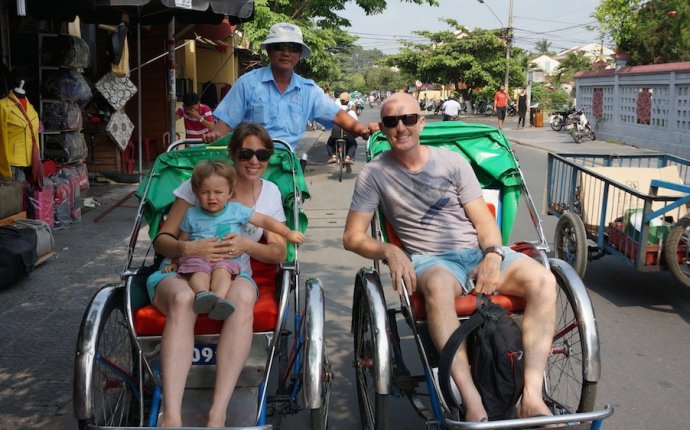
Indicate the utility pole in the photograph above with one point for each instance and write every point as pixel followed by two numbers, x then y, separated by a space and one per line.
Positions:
pixel 509 42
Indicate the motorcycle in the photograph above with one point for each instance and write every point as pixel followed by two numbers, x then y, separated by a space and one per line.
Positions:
pixel 512 108
pixel 485 108
pixel 560 119
pixel 580 127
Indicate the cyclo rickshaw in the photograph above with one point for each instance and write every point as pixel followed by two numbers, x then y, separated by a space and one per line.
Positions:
pixel 573 369
pixel 117 379
pixel 633 206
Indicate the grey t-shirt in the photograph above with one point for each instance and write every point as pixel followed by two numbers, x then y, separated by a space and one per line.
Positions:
pixel 424 207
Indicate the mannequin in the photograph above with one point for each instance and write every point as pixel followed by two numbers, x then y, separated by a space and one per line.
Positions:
pixel 18 134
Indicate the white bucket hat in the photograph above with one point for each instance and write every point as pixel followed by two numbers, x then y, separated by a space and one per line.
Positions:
pixel 285 32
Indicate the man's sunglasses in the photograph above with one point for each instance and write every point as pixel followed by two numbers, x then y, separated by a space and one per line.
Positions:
pixel 392 121
pixel 290 46
pixel 246 154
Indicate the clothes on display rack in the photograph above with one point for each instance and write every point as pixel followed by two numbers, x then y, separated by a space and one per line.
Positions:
pixel 18 132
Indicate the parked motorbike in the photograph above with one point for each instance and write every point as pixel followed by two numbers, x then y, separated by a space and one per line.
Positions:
pixel 580 127
pixel 512 108
pixel 560 119
pixel 484 108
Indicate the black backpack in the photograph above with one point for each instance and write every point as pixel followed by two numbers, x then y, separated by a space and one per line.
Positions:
pixel 17 254
pixel 494 350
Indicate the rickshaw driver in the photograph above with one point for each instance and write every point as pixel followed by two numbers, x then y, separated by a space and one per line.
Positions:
pixel 412 183
pixel 280 99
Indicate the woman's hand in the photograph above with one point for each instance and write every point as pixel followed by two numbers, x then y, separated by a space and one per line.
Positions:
pixel 235 245
pixel 212 249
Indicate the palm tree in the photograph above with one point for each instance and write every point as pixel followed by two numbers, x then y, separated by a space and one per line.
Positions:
pixel 542 47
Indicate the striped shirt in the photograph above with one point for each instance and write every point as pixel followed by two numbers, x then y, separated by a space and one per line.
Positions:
pixel 194 128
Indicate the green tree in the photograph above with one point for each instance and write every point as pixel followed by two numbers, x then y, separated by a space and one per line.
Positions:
pixel 321 24
pixel 385 79
pixel 667 34
pixel 572 63
pixel 542 47
pixel 458 55
pixel 618 18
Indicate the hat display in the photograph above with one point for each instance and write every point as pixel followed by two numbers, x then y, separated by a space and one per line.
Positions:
pixel 285 32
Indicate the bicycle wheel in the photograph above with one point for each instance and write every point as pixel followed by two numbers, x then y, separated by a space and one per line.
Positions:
pixel 373 407
pixel 565 389
pixel 113 402
pixel 570 242
pixel 677 246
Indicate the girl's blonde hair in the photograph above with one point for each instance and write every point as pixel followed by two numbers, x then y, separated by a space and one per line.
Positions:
pixel 205 168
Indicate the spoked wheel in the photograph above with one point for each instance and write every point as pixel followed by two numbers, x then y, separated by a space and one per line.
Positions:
pixel 319 417
pixel 577 136
pixel 677 251
pixel 557 123
pixel 565 389
pixel 570 242
pixel 113 381
pixel 373 407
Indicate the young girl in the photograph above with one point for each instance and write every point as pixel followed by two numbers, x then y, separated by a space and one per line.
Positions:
pixel 215 216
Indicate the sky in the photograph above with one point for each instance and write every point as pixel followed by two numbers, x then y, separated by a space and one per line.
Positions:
pixel 561 22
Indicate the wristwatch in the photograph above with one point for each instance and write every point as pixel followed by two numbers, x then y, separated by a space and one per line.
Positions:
pixel 496 250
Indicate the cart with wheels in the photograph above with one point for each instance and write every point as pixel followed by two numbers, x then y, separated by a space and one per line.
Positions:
pixel 631 206
pixel 117 380
pixel 380 330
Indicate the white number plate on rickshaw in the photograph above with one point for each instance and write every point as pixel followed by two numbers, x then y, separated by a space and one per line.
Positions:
pixel 204 354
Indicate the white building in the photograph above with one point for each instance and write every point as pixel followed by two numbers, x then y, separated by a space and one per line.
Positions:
pixel 547 64
pixel 594 51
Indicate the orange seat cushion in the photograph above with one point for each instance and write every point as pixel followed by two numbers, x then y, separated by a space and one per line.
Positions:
pixel 467 304
pixel 149 321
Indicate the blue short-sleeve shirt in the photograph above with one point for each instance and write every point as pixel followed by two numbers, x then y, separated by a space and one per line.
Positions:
pixel 255 98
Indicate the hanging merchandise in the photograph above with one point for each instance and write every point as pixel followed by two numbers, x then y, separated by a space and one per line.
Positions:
pixel 65 147
pixel 116 90
pixel 61 115
pixel 66 51
pixel 120 129
pixel 68 84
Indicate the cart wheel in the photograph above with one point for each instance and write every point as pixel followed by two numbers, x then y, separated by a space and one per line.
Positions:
pixel 570 242
pixel 373 407
pixel 677 251
pixel 565 388
pixel 113 380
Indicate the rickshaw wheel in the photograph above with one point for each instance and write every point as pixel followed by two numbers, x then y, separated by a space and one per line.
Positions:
pixel 113 403
pixel 677 244
pixel 373 407
pixel 570 242
pixel 565 389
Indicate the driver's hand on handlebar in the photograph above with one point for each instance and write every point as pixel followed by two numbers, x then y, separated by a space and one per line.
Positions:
pixel 371 128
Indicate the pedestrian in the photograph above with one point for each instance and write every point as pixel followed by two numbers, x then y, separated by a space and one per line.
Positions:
pixel 521 106
pixel 278 98
pixel 501 105
pixel 433 201
pixel 198 118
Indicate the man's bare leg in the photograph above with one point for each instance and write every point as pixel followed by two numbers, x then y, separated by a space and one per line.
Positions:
pixel 440 288
pixel 532 281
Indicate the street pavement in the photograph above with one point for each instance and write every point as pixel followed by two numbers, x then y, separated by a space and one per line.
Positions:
pixel 40 316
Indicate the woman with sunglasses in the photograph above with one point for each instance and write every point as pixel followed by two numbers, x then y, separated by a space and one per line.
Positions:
pixel 280 99
pixel 250 148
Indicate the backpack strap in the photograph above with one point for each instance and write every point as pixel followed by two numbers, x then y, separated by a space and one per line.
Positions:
pixel 451 348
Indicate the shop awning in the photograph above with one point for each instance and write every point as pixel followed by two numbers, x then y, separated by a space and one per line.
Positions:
pixel 144 12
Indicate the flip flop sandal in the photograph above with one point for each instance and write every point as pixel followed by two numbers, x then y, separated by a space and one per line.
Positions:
pixel 204 301
pixel 222 310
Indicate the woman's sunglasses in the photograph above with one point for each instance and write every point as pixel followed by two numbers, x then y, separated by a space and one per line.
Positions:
pixel 246 154
pixel 290 46
pixel 392 121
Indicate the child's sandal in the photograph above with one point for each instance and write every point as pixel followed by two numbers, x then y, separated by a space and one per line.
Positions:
pixel 204 301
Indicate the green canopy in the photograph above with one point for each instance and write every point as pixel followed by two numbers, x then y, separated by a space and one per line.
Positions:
pixel 172 168
pixel 488 152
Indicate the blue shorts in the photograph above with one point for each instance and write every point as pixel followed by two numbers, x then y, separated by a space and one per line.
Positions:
pixel 156 277
pixel 459 262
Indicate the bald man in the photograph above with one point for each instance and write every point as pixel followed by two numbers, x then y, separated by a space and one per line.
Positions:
pixel 421 188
